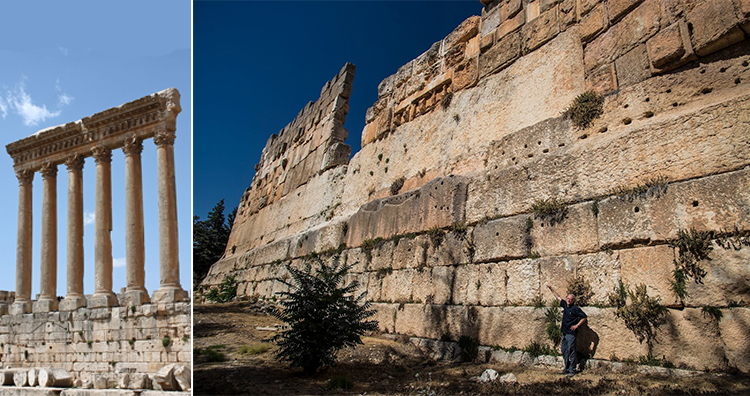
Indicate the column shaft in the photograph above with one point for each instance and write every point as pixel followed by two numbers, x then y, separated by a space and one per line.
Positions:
pixel 135 292
pixel 169 261
pixel 74 298
pixel 22 303
pixel 48 275
pixel 103 294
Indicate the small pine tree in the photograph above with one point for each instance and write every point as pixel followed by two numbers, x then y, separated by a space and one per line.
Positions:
pixel 323 316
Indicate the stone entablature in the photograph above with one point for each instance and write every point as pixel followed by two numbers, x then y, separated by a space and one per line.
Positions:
pixel 140 119
pixel 124 127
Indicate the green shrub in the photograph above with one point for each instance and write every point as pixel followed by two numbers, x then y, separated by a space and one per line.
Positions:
pixel 213 355
pixel 653 361
pixel 538 302
pixel 323 316
pixel 642 314
pixel 712 312
pixel 580 287
pixel 693 246
pixel 255 349
pixel 469 348
pixel 536 349
pixel 585 108
pixel 652 188
pixel 340 382
pixel 436 236
pixel 552 320
pixel 166 341
pixel 226 291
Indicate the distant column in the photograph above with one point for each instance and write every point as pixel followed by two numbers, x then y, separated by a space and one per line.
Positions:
pixel 74 298
pixel 135 292
pixel 48 275
pixel 103 294
pixel 22 303
pixel 169 261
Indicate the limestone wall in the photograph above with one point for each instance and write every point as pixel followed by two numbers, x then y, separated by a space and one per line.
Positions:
pixel 99 340
pixel 473 130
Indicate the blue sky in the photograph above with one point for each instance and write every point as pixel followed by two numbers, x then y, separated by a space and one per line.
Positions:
pixel 258 63
pixel 62 61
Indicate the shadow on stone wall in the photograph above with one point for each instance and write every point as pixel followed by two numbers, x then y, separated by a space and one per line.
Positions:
pixel 587 341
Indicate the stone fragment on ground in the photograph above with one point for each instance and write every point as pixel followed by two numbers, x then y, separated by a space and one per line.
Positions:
pixel 488 375
pixel 509 378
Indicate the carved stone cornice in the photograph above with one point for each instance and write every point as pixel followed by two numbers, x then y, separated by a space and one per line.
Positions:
pixel 25 176
pixel 164 138
pixel 101 154
pixel 48 170
pixel 141 118
pixel 74 162
pixel 132 146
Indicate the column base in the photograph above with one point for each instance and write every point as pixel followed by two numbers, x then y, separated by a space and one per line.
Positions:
pixel 44 305
pixel 72 303
pixel 169 294
pixel 4 308
pixel 100 300
pixel 21 307
pixel 135 297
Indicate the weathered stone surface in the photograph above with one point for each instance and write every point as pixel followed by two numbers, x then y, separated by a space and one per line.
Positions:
pixel 618 8
pixel 651 266
pixel 165 378
pixel 54 377
pixel 715 26
pixel 438 204
pixel 637 27
pixel 584 6
pixel 734 328
pixel 433 285
pixel 182 376
pixel 727 279
pixel 576 233
pixel 410 252
pixel 33 376
pixel 102 392
pixel 523 281
pixel 502 239
pixel 593 23
pixel 666 46
pixel 633 67
pixel 466 74
pixel 385 314
pixel 693 332
pixel 510 25
pixel 501 55
pixel 21 378
pixel 603 80
pixel 540 30
pixel 449 248
pixel 397 286
pixel 490 21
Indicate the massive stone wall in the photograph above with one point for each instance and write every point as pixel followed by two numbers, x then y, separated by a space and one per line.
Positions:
pixel 436 210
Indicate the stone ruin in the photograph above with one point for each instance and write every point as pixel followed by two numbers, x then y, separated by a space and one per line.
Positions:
pixel 102 340
pixel 437 210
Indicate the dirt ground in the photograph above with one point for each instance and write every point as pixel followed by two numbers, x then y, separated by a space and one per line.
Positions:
pixel 385 367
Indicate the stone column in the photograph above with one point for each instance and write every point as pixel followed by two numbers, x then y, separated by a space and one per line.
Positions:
pixel 48 275
pixel 74 298
pixel 103 295
pixel 22 303
pixel 135 292
pixel 169 261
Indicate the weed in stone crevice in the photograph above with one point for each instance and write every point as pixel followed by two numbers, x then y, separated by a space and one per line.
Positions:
pixel 552 320
pixel 536 349
pixel 446 100
pixel 436 236
pixel 550 210
pixel 641 313
pixel 653 188
pixel 693 246
pixel 712 312
pixel 580 287
pixel 585 108
pixel 538 302
pixel 397 185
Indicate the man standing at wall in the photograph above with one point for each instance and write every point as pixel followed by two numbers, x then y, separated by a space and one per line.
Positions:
pixel 573 317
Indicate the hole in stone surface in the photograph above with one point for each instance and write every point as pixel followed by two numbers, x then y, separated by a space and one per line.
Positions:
pixel 525 146
pixel 648 114
pixel 695 204
pixel 497 234
pixel 636 209
pixel 495 166
pixel 584 136
pixel 703 71
pixel 513 159
pixel 561 145
pixel 737 80
pixel 545 151
pixel 626 106
pixel 745 63
pixel 674 104
pixel 503 153
pixel 706 90
pixel 531 155
pixel 539 142
pixel 723 69
pixel 603 129
pixel 647 100
pixel 669 91
pixel 627 121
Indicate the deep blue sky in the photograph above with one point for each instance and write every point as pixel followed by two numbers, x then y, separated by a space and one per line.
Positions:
pixel 257 63
pixel 62 61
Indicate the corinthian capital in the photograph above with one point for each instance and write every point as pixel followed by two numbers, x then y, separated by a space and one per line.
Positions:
pixel 48 170
pixel 25 176
pixel 133 146
pixel 164 137
pixel 102 154
pixel 74 162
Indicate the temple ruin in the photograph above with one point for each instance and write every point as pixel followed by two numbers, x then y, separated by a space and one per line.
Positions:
pixel 97 333
pixel 446 209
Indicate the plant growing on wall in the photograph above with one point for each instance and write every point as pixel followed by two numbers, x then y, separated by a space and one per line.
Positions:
pixel 580 287
pixel 642 314
pixel 323 315
pixel 552 319
pixel 585 108
pixel 397 185
pixel 225 292
pixel 693 246
pixel 550 210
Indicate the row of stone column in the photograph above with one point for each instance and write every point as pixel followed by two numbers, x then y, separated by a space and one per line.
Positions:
pixel 135 292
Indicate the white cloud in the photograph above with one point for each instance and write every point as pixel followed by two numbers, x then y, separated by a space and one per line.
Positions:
pixel 63 50
pixel 88 218
pixel 20 102
pixel 62 97
pixel 118 262
pixel 3 107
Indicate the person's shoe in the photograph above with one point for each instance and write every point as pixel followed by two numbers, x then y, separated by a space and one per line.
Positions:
pixel 563 372
pixel 571 373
